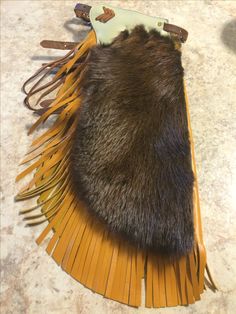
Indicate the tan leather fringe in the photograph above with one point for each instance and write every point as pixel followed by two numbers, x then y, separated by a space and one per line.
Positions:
pixel 80 244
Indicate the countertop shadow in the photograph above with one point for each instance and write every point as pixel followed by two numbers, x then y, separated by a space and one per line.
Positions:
pixel 228 35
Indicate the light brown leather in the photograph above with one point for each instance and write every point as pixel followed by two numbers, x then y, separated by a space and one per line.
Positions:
pixel 106 16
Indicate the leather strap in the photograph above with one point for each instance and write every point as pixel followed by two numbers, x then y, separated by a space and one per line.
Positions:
pixel 176 30
pixel 62 45
pixel 82 11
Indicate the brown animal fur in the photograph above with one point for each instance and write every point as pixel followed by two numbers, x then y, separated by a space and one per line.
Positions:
pixel 131 161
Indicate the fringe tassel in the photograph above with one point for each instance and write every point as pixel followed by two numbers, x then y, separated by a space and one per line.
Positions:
pixel 81 245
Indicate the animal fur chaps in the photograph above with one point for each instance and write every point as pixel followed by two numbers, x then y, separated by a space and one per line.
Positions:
pixel 112 173
pixel 131 161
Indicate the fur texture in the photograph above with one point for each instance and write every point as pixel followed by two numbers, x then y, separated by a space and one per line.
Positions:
pixel 131 161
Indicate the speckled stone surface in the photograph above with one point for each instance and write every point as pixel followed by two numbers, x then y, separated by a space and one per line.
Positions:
pixel 31 282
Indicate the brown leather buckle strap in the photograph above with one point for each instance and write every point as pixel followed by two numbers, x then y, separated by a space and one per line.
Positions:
pixel 62 45
pixel 180 32
pixel 82 11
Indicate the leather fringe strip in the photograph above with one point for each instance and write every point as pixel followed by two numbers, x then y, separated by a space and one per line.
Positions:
pixel 81 245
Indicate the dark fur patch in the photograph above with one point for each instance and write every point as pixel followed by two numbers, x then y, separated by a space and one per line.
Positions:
pixel 131 160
